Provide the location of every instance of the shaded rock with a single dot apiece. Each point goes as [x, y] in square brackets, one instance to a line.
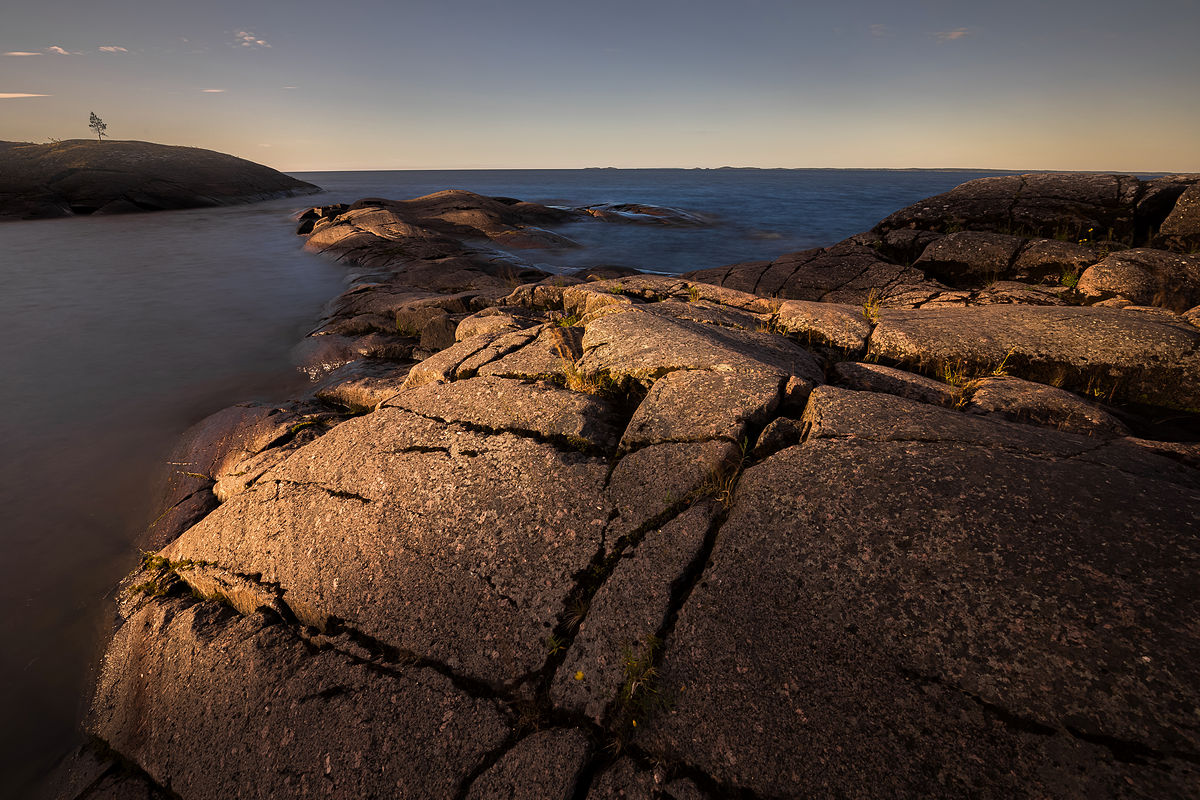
[245, 693]
[649, 482]
[629, 610]
[1037, 204]
[779, 433]
[363, 384]
[542, 766]
[888, 380]
[924, 641]
[572, 419]
[84, 177]
[970, 258]
[645, 346]
[85, 774]
[695, 405]
[624, 779]
[420, 535]
[1050, 260]
[1181, 229]
[1023, 401]
[1106, 352]
[841, 326]
[845, 273]
[1145, 277]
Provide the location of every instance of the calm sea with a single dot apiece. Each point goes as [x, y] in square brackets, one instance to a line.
[123, 331]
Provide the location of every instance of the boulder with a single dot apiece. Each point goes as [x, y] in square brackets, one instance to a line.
[1120, 355]
[1145, 277]
[1071, 205]
[1180, 231]
[1023, 401]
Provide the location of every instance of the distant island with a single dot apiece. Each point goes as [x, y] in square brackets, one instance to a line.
[81, 176]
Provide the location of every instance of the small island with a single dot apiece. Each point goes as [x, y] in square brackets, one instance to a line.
[82, 177]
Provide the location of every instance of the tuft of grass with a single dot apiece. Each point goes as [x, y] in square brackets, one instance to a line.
[955, 374]
[1070, 278]
[570, 321]
[616, 288]
[693, 294]
[639, 695]
[1002, 368]
[871, 306]
[555, 644]
[600, 384]
[407, 329]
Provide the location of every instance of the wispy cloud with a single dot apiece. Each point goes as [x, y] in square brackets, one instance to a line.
[879, 31]
[18, 95]
[248, 39]
[111, 48]
[53, 50]
[290, 87]
[212, 91]
[950, 36]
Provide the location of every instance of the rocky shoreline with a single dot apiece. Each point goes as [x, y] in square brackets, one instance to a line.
[911, 515]
[81, 177]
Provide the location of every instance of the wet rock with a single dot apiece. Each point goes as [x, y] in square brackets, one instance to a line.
[696, 405]
[925, 641]
[1107, 352]
[888, 380]
[85, 177]
[1145, 277]
[1023, 401]
[363, 384]
[645, 214]
[421, 535]
[251, 706]
[542, 766]
[627, 613]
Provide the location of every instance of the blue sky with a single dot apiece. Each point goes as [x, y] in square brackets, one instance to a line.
[463, 84]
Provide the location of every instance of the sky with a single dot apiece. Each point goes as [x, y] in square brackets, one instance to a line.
[459, 84]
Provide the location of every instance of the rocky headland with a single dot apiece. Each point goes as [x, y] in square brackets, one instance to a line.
[915, 515]
[80, 176]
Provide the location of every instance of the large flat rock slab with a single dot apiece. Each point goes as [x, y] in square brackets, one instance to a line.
[450, 544]
[646, 346]
[1123, 355]
[215, 705]
[1017, 621]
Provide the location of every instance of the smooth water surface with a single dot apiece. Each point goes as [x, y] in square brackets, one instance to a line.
[122, 331]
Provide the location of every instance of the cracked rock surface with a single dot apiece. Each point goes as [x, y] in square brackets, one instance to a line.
[644, 536]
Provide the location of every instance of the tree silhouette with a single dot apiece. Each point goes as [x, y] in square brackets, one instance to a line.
[97, 124]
